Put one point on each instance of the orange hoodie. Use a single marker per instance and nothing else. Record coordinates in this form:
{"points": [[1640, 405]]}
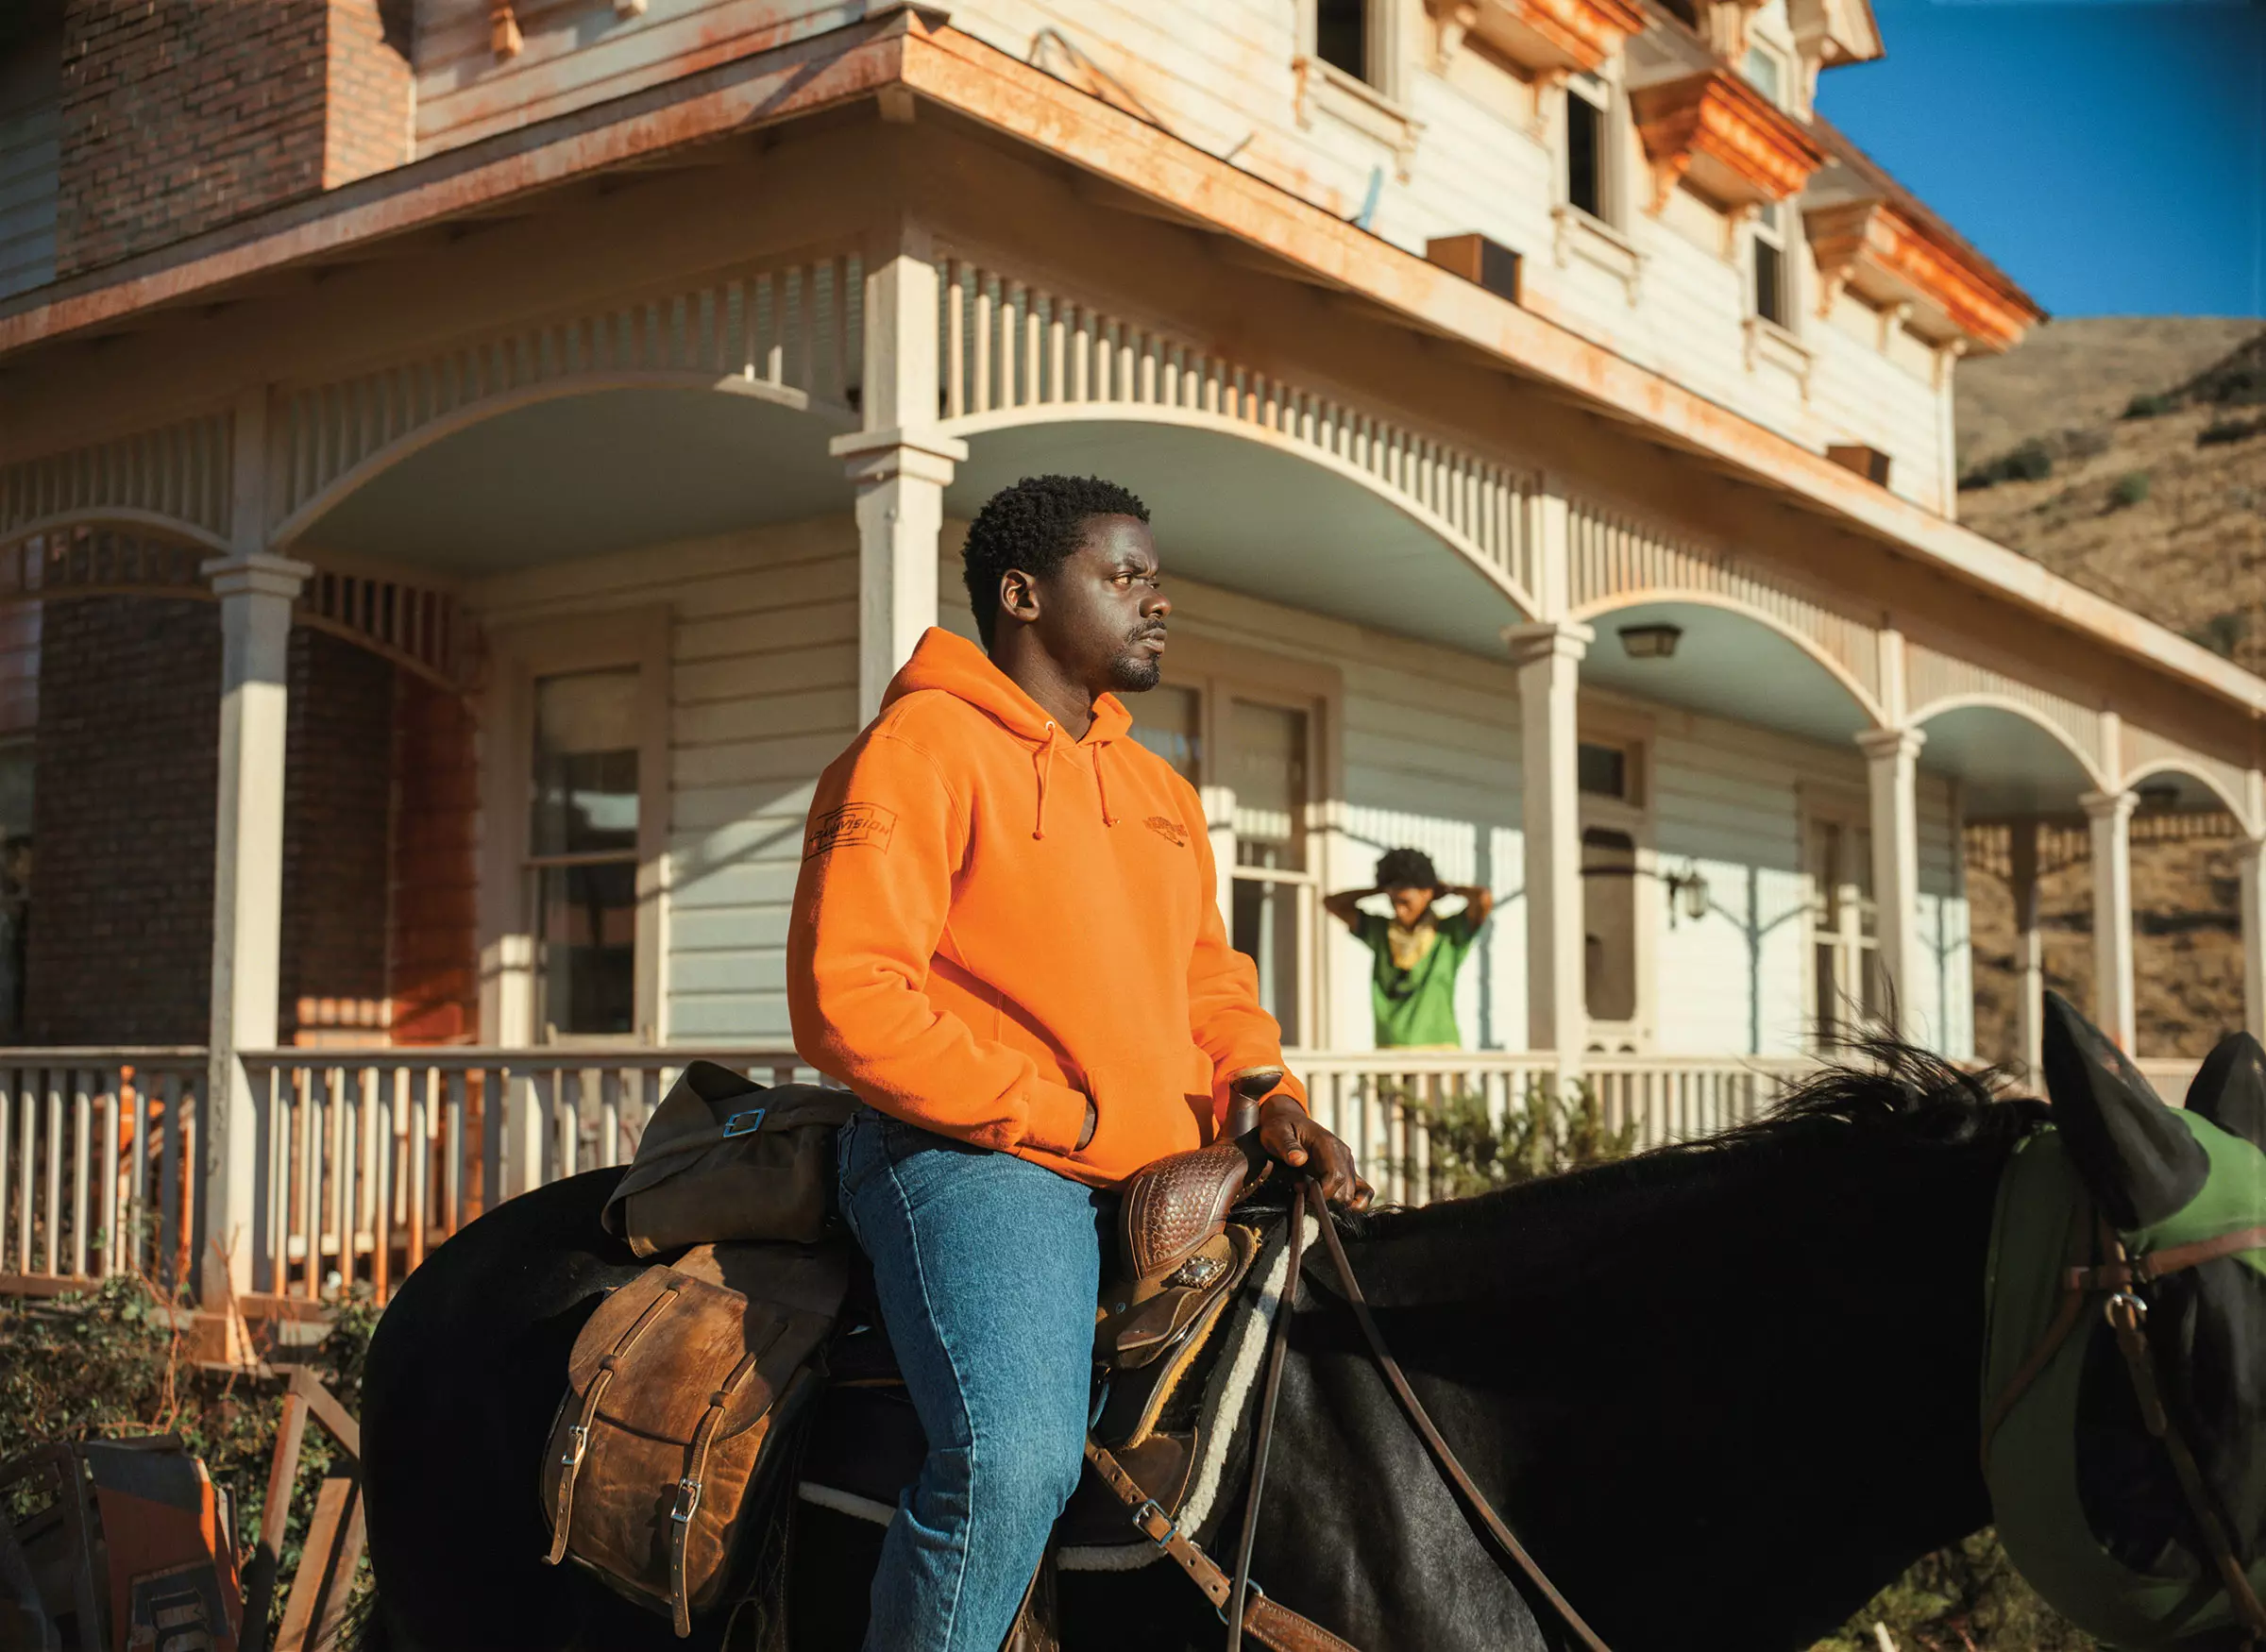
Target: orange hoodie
{"points": [[995, 921]]}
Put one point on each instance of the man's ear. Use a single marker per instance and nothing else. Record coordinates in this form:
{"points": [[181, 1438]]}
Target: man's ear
{"points": [[1018, 594]]}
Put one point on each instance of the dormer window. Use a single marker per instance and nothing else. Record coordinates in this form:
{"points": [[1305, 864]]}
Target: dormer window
{"points": [[1343, 37], [1766, 73], [1587, 98], [1770, 243]]}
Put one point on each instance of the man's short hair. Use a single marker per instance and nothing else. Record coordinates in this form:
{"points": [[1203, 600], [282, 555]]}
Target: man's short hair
{"points": [[1405, 869], [1034, 526]]}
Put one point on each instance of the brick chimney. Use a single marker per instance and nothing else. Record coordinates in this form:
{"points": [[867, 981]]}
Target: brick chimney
{"points": [[181, 114]]}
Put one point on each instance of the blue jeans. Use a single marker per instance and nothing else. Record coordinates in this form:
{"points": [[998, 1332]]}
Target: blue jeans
{"points": [[987, 1268]]}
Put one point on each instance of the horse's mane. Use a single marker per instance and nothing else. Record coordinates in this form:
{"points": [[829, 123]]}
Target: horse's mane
{"points": [[1875, 1086]]}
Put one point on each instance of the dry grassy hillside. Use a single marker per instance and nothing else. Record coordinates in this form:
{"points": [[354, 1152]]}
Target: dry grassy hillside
{"points": [[2129, 455]]}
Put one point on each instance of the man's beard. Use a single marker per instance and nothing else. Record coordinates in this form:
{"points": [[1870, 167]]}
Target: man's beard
{"points": [[1136, 673]]}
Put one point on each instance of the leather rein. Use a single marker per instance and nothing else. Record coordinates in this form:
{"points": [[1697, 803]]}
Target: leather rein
{"points": [[2117, 1280], [1241, 1604]]}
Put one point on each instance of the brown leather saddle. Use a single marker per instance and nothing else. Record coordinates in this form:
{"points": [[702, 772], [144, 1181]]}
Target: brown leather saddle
{"points": [[1180, 1259]]}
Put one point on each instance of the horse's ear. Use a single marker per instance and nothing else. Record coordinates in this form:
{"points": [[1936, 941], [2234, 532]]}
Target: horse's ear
{"points": [[2139, 1161], [2230, 1089]]}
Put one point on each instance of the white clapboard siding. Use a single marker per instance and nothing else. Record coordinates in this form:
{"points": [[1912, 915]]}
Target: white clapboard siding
{"points": [[763, 684], [1219, 74], [30, 82]]}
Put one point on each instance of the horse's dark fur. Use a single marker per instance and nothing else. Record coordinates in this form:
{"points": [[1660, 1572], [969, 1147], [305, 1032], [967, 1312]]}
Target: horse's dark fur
{"points": [[1725, 1392]]}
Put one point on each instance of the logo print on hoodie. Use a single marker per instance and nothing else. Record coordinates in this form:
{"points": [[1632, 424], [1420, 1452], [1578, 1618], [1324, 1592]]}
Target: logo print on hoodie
{"points": [[1171, 831], [852, 826]]}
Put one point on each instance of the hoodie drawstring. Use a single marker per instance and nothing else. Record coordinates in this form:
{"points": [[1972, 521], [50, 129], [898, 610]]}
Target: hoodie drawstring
{"points": [[1042, 768], [1101, 784], [1043, 765]]}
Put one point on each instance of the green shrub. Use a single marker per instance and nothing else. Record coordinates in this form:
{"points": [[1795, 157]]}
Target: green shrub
{"points": [[2031, 461], [2222, 633], [1475, 1151], [2131, 488], [2148, 407], [2220, 432]]}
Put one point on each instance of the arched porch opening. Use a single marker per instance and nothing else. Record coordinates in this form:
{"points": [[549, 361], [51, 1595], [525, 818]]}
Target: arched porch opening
{"points": [[1237, 506], [2026, 860], [1734, 855]]}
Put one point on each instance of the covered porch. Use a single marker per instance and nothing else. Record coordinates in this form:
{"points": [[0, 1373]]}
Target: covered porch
{"points": [[640, 508]]}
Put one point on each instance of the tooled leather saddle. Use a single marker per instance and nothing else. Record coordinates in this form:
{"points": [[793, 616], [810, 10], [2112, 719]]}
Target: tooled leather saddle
{"points": [[1179, 1261]]}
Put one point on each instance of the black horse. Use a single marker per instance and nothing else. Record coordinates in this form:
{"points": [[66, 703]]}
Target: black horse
{"points": [[1725, 1392]]}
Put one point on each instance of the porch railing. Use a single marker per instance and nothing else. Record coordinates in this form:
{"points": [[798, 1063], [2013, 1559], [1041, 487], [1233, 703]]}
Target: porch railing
{"points": [[96, 1154], [366, 1158]]}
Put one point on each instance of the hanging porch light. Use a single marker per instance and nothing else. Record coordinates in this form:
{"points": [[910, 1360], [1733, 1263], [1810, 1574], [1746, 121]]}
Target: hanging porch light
{"points": [[1650, 642]]}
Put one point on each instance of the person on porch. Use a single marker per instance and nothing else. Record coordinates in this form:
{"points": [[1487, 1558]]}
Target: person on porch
{"points": [[1418, 950], [1006, 940]]}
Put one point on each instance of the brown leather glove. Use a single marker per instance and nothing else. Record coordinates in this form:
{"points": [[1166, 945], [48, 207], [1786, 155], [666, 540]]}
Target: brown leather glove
{"points": [[1288, 1133]]}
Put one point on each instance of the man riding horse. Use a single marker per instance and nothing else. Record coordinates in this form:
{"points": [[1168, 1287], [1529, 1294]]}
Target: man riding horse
{"points": [[1006, 940]]}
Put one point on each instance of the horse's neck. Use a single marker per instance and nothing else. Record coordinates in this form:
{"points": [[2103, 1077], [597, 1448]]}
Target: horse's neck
{"points": [[1761, 1362]]}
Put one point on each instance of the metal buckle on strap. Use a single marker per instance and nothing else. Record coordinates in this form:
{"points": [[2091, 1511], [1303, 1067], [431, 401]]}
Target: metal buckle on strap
{"points": [[1250, 1583], [689, 1499], [578, 1441], [1147, 1506], [745, 1123]]}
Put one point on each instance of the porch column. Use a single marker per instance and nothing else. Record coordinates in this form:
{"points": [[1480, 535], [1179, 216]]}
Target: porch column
{"points": [[901, 465], [2029, 951], [256, 591], [1548, 657], [1892, 778], [2110, 814], [2248, 856]]}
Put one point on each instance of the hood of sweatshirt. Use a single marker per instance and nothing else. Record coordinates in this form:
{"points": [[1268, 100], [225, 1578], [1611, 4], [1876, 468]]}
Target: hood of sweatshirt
{"points": [[948, 663]]}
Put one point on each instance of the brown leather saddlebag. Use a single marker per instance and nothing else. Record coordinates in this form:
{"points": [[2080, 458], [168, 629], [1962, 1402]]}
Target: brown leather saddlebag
{"points": [[676, 1436], [723, 1159]]}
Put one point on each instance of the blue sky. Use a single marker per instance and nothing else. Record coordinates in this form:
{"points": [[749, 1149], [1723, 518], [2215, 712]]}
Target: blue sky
{"points": [[2110, 156]]}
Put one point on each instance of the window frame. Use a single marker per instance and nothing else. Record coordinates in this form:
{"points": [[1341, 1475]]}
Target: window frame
{"points": [[1632, 815], [1220, 676], [1854, 952], [637, 639], [1777, 238], [1604, 102]]}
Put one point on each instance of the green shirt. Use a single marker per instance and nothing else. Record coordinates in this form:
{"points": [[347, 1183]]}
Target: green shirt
{"points": [[1417, 1007]]}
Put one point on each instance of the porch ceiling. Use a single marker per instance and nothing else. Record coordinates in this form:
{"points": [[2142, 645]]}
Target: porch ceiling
{"points": [[1252, 518], [1726, 665], [2006, 764], [591, 473]]}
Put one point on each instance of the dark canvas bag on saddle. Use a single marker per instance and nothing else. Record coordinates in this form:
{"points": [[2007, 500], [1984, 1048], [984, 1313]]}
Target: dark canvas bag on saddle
{"points": [[676, 1443], [723, 1159]]}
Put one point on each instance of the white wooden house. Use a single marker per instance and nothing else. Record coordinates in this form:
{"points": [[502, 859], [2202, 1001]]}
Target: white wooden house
{"points": [[1546, 419]]}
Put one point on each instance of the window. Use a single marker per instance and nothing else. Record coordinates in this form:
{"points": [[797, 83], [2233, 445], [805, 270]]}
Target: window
{"points": [[1272, 889], [1604, 771], [1609, 924], [1845, 984], [1770, 244], [1253, 760], [1341, 36], [1169, 722], [1766, 73], [582, 852], [1587, 98]]}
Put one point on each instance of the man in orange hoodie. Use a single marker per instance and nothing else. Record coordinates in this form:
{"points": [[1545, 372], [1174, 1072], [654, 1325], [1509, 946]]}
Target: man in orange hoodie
{"points": [[1006, 940]]}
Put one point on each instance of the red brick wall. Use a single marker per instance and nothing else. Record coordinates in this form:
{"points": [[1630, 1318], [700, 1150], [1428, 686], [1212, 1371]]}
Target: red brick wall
{"points": [[337, 823], [181, 114], [120, 941], [435, 911]]}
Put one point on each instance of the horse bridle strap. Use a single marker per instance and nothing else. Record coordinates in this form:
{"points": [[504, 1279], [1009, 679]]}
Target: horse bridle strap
{"points": [[1474, 1499]]}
